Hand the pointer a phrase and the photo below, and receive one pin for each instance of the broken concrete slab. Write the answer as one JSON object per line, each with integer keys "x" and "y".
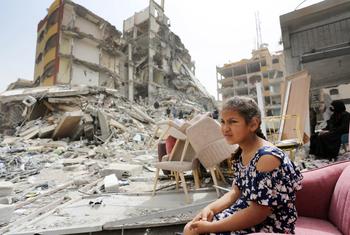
{"x": 73, "y": 161}
{"x": 122, "y": 170}
{"x": 67, "y": 124}
{"x": 31, "y": 135}
{"x": 105, "y": 130}
{"x": 6, "y": 212}
{"x": 6, "y": 188}
{"x": 6, "y": 200}
{"x": 111, "y": 184}
{"x": 29, "y": 131}
{"x": 64, "y": 100}
{"x": 47, "y": 131}
{"x": 118, "y": 125}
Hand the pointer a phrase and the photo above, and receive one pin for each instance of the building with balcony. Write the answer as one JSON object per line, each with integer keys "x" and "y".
{"x": 240, "y": 78}
{"x": 77, "y": 47}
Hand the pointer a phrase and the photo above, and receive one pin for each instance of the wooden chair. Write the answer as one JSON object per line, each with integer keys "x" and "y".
{"x": 210, "y": 145}
{"x": 181, "y": 159}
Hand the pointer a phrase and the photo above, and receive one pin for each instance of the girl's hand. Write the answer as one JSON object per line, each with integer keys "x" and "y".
{"x": 205, "y": 215}
{"x": 201, "y": 226}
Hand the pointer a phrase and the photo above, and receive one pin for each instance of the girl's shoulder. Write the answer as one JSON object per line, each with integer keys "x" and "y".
{"x": 270, "y": 150}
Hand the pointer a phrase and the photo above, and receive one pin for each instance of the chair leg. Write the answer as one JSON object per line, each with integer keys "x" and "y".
{"x": 221, "y": 174}
{"x": 184, "y": 186}
{"x": 177, "y": 179}
{"x": 212, "y": 172}
{"x": 155, "y": 182}
{"x": 196, "y": 179}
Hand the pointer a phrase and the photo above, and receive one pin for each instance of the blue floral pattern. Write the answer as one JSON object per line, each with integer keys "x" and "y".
{"x": 275, "y": 189}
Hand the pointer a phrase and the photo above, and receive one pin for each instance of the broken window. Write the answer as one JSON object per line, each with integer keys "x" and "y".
{"x": 49, "y": 69}
{"x": 279, "y": 74}
{"x": 275, "y": 61}
{"x": 334, "y": 92}
{"x": 53, "y": 19}
{"x": 51, "y": 43}
{"x": 39, "y": 58}
{"x": 41, "y": 36}
{"x": 239, "y": 70}
{"x": 254, "y": 67}
{"x": 263, "y": 62}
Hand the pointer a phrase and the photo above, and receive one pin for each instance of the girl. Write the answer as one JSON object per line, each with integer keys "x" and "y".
{"x": 262, "y": 198}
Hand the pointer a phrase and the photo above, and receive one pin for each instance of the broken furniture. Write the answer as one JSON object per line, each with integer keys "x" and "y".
{"x": 181, "y": 159}
{"x": 323, "y": 202}
{"x": 284, "y": 132}
{"x": 210, "y": 145}
{"x": 167, "y": 128}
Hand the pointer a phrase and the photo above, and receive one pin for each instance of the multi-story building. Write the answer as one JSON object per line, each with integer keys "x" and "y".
{"x": 240, "y": 78}
{"x": 316, "y": 38}
{"x": 158, "y": 62}
{"x": 77, "y": 47}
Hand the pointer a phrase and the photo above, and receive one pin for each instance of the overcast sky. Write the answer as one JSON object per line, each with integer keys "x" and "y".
{"x": 214, "y": 32}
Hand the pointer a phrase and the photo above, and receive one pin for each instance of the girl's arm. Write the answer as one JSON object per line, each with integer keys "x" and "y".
{"x": 219, "y": 205}
{"x": 252, "y": 215}
{"x": 225, "y": 201}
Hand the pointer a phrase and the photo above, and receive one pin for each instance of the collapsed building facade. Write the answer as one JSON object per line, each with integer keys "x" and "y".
{"x": 239, "y": 78}
{"x": 316, "y": 38}
{"x": 158, "y": 62}
{"x": 77, "y": 47}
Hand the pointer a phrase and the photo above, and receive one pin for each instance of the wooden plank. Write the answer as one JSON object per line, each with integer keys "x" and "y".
{"x": 297, "y": 103}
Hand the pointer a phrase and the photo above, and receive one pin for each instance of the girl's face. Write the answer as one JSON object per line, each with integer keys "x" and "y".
{"x": 234, "y": 127}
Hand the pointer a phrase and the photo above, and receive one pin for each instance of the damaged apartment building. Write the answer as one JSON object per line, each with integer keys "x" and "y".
{"x": 240, "y": 78}
{"x": 77, "y": 47}
{"x": 159, "y": 65}
{"x": 317, "y": 39}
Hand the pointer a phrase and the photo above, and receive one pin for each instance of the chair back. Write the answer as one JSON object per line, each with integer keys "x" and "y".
{"x": 179, "y": 150}
{"x": 208, "y": 142}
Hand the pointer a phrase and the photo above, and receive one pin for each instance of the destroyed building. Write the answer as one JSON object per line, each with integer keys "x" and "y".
{"x": 316, "y": 38}
{"x": 240, "y": 78}
{"x": 77, "y": 47}
{"x": 158, "y": 63}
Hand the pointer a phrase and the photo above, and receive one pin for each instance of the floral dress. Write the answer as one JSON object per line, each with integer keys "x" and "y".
{"x": 275, "y": 189}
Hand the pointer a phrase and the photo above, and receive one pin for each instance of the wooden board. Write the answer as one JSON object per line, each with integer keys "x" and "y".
{"x": 297, "y": 103}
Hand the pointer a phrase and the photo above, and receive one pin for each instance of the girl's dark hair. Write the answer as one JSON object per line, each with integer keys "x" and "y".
{"x": 248, "y": 109}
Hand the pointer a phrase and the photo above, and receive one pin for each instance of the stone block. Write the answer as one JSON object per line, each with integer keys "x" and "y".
{"x": 6, "y": 188}
{"x": 6, "y": 212}
{"x": 111, "y": 183}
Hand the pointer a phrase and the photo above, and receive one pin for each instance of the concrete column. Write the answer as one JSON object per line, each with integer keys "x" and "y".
{"x": 162, "y": 4}
{"x": 130, "y": 74}
{"x": 150, "y": 76}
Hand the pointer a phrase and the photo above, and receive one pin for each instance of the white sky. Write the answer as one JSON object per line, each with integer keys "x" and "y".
{"x": 214, "y": 32}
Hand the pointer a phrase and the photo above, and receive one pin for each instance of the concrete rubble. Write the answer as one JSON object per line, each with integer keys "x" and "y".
{"x": 69, "y": 142}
